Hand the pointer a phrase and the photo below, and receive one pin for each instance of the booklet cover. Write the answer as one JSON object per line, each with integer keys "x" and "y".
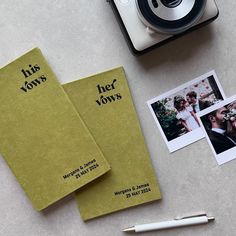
{"x": 43, "y": 139}
{"x": 105, "y": 104}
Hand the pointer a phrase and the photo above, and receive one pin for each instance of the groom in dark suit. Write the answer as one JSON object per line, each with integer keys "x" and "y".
{"x": 196, "y": 103}
{"x": 219, "y": 139}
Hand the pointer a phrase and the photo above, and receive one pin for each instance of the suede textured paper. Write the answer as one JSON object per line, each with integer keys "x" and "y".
{"x": 43, "y": 139}
{"x": 105, "y": 104}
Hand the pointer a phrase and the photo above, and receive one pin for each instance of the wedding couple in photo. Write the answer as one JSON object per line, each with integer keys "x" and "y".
{"x": 186, "y": 109}
{"x": 222, "y": 129}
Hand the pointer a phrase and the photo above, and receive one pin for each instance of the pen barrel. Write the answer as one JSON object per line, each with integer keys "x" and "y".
{"x": 171, "y": 224}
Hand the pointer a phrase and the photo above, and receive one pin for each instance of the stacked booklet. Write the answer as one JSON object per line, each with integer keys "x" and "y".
{"x": 59, "y": 138}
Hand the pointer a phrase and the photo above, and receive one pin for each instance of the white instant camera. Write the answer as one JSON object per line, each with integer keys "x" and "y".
{"x": 152, "y": 23}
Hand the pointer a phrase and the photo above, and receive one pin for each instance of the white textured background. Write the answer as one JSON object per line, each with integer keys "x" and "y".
{"x": 82, "y": 37}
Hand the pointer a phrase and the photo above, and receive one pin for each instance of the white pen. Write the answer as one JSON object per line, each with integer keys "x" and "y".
{"x": 178, "y": 222}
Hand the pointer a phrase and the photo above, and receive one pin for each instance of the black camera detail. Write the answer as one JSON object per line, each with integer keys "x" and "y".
{"x": 171, "y": 3}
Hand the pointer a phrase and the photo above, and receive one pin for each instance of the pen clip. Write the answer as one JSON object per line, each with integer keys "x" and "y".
{"x": 191, "y": 216}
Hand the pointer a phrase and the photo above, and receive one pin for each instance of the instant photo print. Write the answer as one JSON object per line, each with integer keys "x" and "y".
{"x": 175, "y": 112}
{"x": 219, "y": 124}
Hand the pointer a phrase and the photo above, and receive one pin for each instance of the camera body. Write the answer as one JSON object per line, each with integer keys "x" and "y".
{"x": 148, "y": 24}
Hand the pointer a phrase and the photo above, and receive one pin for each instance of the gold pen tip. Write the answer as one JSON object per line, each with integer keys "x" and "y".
{"x": 130, "y": 229}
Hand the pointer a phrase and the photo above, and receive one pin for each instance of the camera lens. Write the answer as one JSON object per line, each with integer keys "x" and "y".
{"x": 170, "y": 16}
{"x": 171, "y": 3}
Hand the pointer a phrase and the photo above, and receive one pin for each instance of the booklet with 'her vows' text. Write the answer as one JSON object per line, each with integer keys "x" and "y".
{"x": 105, "y": 105}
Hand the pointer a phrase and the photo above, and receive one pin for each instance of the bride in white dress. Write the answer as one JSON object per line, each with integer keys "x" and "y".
{"x": 185, "y": 114}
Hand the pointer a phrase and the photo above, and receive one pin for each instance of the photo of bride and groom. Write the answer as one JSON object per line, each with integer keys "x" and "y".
{"x": 175, "y": 111}
{"x": 187, "y": 109}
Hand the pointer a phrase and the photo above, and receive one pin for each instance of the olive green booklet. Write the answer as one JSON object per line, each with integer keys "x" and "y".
{"x": 105, "y": 104}
{"x": 43, "y": 139}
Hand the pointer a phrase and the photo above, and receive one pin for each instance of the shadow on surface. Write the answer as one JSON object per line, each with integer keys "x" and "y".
{"x": 59, "y": 205}
{"x": 179, "y": 50}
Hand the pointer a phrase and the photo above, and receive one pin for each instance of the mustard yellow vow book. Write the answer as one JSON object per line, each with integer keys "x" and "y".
{"x": 43, "y": 139}
{"x": 105, "y": 105}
